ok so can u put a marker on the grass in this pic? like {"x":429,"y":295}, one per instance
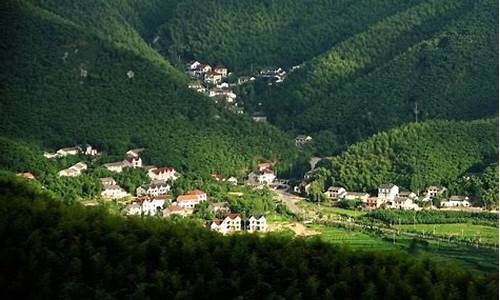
{"x":486,"y":234}
{"x":474,"y":259}
{"x":329,"y":210}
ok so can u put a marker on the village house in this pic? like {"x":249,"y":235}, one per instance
{"x":221,"y":69}
{"x":231,"y":223}
{"x":219,"y":208}
{"x":191,"y":199}
{"x":218,"y":177}
{"x":155,"y":188}
{"x":266,"y":176}
{"x":433,"y":191}
{"x":213,"y":77}
{"x":456,"y":201}
{"x":68,"y":151}
{"x":373,"y":203}
{"x":27,"y":175}
{"x":232,"y":180}
{"x":255,"y":224}
{"x":89,"y":150}
{"x":265,"y":166}
{"x":152,"y":206}
{"x":114,"y":191}
{"x":134,"y":152}
{"x":245,"y":79}
{"x":107,"y":181}
{"x":162,"y":173}
{"x":75,"y":170}
{"x":388,"y":191}
{"x":408,"y":194}
{"x":193,"y":65}
{"x":117,"y":166}
{"x":335,"y":193}
{"x":259,"y":117}
{"x":134,"y":161}
{"x":403,"y":203}
{"x":356,"y":196}
{"x":301,"y":140}
{"x":176,"y":210}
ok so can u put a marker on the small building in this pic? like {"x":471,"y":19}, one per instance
{"x":213,"y":77}
{"x":191,"y":199}
{"x":68,"y":151}
{"x":335,"y":193}
{"x":218,"y":177}
{"x":134,"y":152}
{"x":117,"y":166}
{"x":134,"y":161}
{"x":89,"y":150}
{"x":403,"y":203}
{"x":301,"y":140}
{"x":256,"y":223}
{"x":356,"y":196}
{"x":373,"y":203}
{"x":107,"y":181}
{"x":259,"y":117}
{"x":265,"y":166}
{"x":231,"y":223}
{"x":433,"y":191}
{"x":266,"y":177}
{"x":176,"y":210}
{"x":155,"y":188}
{"x":408,"y":195}
{"x":27,"y":175}
{"x":388,"y":191}
{"x":221,"y":69}
{"x":197,"y":86}
{"x":73,"y":171}
{"x":193,"y":65}
{"x":152,"y":206}
{"x":232,"y":180}
{"x":162,"y":173}
{"x":114,"y":191}
{"x":456,"y":201}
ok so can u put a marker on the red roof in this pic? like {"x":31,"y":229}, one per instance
{"x":186,"y":198}
{"x":196,"y":192}
{"x":232,"y":216}
{"x":175,"y":207}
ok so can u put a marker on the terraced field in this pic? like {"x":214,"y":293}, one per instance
{"x":481,"y":233}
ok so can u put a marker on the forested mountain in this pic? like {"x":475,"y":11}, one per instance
{"x":438,"y":55}
{"x":81,"y":72}
{"x":419,"y":155}
{"x":50,"y":250}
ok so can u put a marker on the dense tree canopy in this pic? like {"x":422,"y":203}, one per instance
{"x":51,"y":250}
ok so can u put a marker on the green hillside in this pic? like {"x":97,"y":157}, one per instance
{"x":64,"y":81}
{"x":440,"y":55}
{"x":418,"y":155}
{"x":51,"y":250}
{"x":248,"y":34}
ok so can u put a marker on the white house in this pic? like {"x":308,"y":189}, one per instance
{"x":433,"y":191}
{"x":266,"y":177}
{"x":90,"y":151}
{"x":456,"y":201}
{"x":134,"y":161}
{"x":256,"y":223}
{"x":155,"y":188}
{"x":259,"y":117}
{"x":107,"y":181}
{"x":135,"y":152}
{"x":221,"y":69}
{"x":194,"y":65}
{"x":114,"y":191}
{"x":117,"y":166}
{"x":403,"y":203}
{"x":388,"y":191}
{"x":152,"y":206}
{"x":68,"y":151}
{"x":163,"y":173}
{"x":335,"y":193}
{"x":356,"y":196}
{"x":75,"y":170}
{"x":407,"y":194}
{"x":191,"y":199}
{"x":219,"y":207}
{"x":232,"y":180}
{"x":213,"y":77}
{"x":231,"y":223}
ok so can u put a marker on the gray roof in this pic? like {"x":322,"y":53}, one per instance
{"x":386,"y":186}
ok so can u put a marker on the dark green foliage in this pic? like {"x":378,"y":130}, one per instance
{"x":440,"y":55}
{"x":47,"y":99}
{"x":433,"y":216}
{"x":50,"y":250}
{"x":418,"y":155}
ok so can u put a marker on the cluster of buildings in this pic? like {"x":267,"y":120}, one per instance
{"x":63,"y":152}
{"x":132,"y":160}
{"x":390,"y":196}
{"x":112,"y":190}
{"x":235,"y":223}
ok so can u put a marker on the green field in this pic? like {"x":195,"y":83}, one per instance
{"x":352,"y":238}
{"x":328,"y":210}
{"x":472,"y":258}
{"x":485,"y":234}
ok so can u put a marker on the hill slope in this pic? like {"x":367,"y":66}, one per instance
{"x":418,"y":155}
{"x":438,"y":54}
{"x":72,"y":252}
{"x":65,"y":81}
